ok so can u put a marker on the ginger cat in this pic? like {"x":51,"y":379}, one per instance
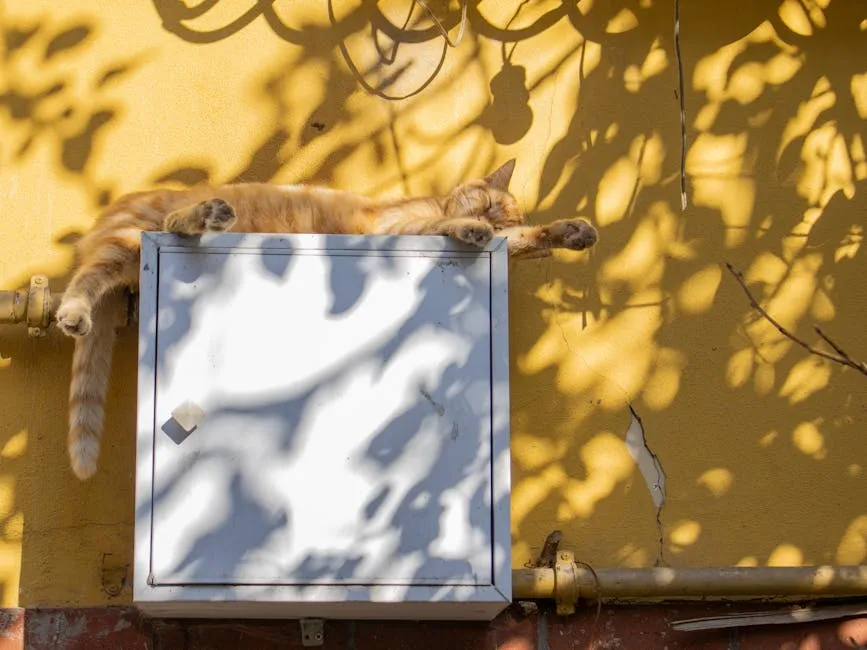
{"x":109,"y":255}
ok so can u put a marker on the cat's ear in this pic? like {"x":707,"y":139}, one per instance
{"x":499,"y":179}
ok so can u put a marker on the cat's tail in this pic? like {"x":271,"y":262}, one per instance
{"x":91,"y":369}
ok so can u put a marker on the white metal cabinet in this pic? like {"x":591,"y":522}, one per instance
{"x":352,"y":456}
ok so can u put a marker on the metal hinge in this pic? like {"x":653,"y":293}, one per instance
{"x":115,"y":573}
{"x":312,"y":632}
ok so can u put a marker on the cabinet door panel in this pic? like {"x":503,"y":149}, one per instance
{"x":346,"y":436}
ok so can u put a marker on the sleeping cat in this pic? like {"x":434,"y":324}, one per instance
{"x":109,"y":255}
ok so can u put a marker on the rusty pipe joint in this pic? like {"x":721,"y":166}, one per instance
{"x":34,"y":306}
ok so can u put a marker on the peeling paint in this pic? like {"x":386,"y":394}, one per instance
{"x":122,"y":624}
{"x":56,"y":630}
{"x":651,"y":469}
{"x":10,"y":623}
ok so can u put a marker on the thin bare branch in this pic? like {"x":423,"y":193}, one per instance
{"x":841,"y":357}
{"x":845,"y":355}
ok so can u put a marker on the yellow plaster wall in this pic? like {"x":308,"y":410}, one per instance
{"x":762,"y":446}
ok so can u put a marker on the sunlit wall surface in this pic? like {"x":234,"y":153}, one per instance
{"x":655,"y":418}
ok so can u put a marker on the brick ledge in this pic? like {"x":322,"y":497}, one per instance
{"x":642,"y":627}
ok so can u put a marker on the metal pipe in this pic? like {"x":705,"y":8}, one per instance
{"x":36,"y":307}
{"x":533,"y":584}
{"x":689,"y":583}
{"x":13,"y":306}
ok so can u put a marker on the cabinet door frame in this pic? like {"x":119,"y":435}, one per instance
{"x":331,"y":601}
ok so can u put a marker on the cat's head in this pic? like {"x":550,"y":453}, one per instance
{"x":488,"y":198}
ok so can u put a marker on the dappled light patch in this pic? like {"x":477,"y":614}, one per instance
{"x":663,"y":384}
{"x":809,"y":440}
{"x":684,"y":533}
{"x":853,"y":545}
{"x":607,"y":462}
{"x":718,"y":480}
{"x":585,"y":96}
{"x":786,"y":555}
{"x":806,"y":378}
{"x":698,"y":292}
{"x":632,"y":556}
{"x":15,"y":446}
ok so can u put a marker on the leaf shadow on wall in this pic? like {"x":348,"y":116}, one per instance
{"x":43,"y":101}
{"x":649,"y":319}
{"x":50,"y":109}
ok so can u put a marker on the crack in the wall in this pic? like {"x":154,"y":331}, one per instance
{"x":636,"y":443}
{"x":651,"y":469}
{"x":556,"y":320}
{"x":682,"y":104}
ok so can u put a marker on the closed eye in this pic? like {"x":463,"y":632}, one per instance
{"x":484,"y":201}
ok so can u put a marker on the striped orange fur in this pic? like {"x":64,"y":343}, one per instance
{"x":109,"y":255}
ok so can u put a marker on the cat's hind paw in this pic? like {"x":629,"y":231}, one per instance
{"x":477,"y":233}
{"x":73,"y":318}
{"x":574,"y":234}
{"x":217,"y":215}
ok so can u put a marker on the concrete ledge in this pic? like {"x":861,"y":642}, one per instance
{"x":642,"y":627}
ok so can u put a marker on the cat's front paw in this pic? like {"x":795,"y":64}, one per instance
{"x":477,"y":233}
{"x":574,"y":234}
{"x":73,"y":318}
{"x":217,"y":215}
